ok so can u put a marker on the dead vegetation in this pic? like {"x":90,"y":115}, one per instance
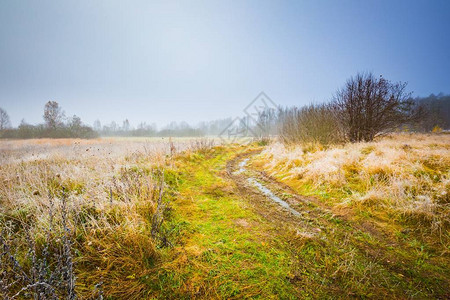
{"x":81,"y":213}
{"x":406,"y":174}
{"x":133,"y":219}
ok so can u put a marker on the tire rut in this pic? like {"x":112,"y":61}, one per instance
{"x":315,"y":219}
{"x":275,"y":203}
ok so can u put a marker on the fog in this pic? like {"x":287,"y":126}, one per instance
{"x":158,"y":61}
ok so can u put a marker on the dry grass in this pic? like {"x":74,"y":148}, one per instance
{"x":407,"y":174}
{"x":112,"y":188}
{"x":109,"y":191}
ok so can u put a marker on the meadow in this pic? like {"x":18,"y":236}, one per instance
{"x":133,"y":218}
{"x":103,"y":193}
{"x":406,"y":174}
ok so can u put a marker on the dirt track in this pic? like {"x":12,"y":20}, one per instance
{"x":310,"y":218}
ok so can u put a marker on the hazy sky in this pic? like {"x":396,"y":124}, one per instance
{"x":201,"y":60}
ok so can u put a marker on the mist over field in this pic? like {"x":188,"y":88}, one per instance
{"x":224,"y":150}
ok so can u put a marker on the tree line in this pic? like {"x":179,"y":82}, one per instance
{"x":173,"y":129}
{"x":56,"y":125}
{"x":366,"y":106}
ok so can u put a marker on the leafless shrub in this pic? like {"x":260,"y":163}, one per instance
{"x":368,"y":106}
{"x":310,"y":124}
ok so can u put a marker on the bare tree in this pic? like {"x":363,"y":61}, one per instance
{"x":75,"y":122}
{"x":4,"y":120}
{"x":126,"y":125}
{"x":53,"y":115}
{"x":266,"y":123}
{"x":368,"y":106}
{"x":97,"y":125}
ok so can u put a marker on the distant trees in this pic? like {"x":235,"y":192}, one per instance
{"x":27,"y":131}
{"x":126,"y":125}
{"x":5,"y":122}
{"x":266,"y":122}
{"x":436,"y":112}
{"x":367,"y":106}
{"x":114,"y":126}
{"x":55,"y":126}
{"x":173,"y":129}
{"x":75,"y":122}
{"x":97,"y":125}
{"x":144,"y":129}
{"x":53,"y":115}
{"x":179,"y":129}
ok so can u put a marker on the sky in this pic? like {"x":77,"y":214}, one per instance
{"x":162,"y":61}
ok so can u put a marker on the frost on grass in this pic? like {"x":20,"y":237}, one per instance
{"x":111,"y":190}
{"x":409,"y":174}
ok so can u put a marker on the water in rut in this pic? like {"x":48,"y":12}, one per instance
{"x":265,"y":190}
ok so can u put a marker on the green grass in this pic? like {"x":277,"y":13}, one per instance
{"x":390,"y":256}
{"x":220,"y":247}
{"x":223,"y":249}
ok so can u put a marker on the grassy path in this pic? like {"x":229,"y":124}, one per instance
{"x":223,"y":248}
{"x":231,"y":241}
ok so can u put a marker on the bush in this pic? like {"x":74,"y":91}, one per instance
{"x":310,"y":124}
{"x":369,"y":106}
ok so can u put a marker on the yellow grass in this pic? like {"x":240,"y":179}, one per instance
{"x":111,"y":185}
{"x":404,"y":173}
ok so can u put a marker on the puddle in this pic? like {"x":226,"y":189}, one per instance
{"x":272,"y":196}
{"x":242,"y":166}
{"x":265,"y":190}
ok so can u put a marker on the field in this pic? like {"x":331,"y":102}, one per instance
{"x":189,"y":218}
